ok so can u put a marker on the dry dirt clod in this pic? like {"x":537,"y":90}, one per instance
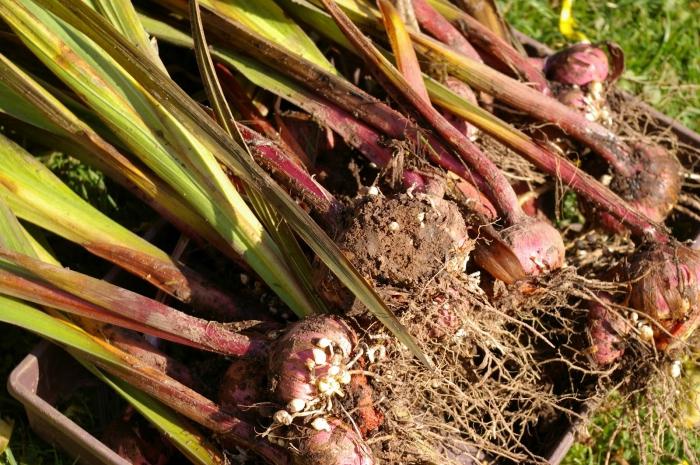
{"x":404,"y":241}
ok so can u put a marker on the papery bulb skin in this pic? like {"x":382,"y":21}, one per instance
{"x":607,"y":330}
{"x":653,"y":190}
{"x":665,"y":285}
{"x":301,"y":356}
{"x":339,"y":446}
{"x":581,"y":64}
{"x":537,"y":245}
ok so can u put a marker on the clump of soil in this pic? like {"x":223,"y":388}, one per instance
{"x":403,"y":242}
{"x":501,"y":374}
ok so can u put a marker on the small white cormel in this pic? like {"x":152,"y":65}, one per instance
{"x":394,"y":226}
{"x":345,"y":377}
{"x":319,"y":356}
{"x":646,"y":333}
{"x":328,"y":385}
{"x":296,"y":405}
{"x":324,"y":343}
{"x":345,"y":345}
{"x":373,"y":190}
{"x":320,"y":424}
{"x":675,"y":369}
{"x":333,"y":370}
{"x":282,"y":417}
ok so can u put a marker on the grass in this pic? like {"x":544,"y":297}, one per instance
{"x":661,"y":39}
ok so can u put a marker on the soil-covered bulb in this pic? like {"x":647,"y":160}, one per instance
{"x":665,"y":285}
{"x":607,"y":330}
{"x":242,"y":387}
{"x":537,"y":245}
{"x":653,"y":190}
{"x":339,"y":445}
{"x":303,"y":356}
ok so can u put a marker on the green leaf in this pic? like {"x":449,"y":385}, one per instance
{"x":187,"y":439}
{"x":276,"y":226}
{"x":27,"y":100}
{"x":122,"y":15}
{"x":20,"y":314}
{"x":145,"y":124}
{"x":6,"y":427}
{"x":36,"y":195}
{"x":267,"y":19}
{"x":234,"y":157}
{"x":12,"y":235}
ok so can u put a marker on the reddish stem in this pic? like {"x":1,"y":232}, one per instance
{"x":136,"y":345}
{"x":581,"y":182}
{"x":443,"y":30}
{"x":484,"y":39}
{"x":368,"y":142}
{"x":205,"y":334}
{"x":280,"y":165}
{"x":253,"y":117}
{"x":486,"y":12}
{"x":336,"y":89}
{"x":49,"y":296}
{"x":533,"y":103}
{"x":497,"y":186}
{"x":194,"y":406}
{"x":358,"y":135}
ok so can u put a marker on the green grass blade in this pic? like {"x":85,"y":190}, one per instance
{"x":158,"y":137}
{"x":230,"y":153}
